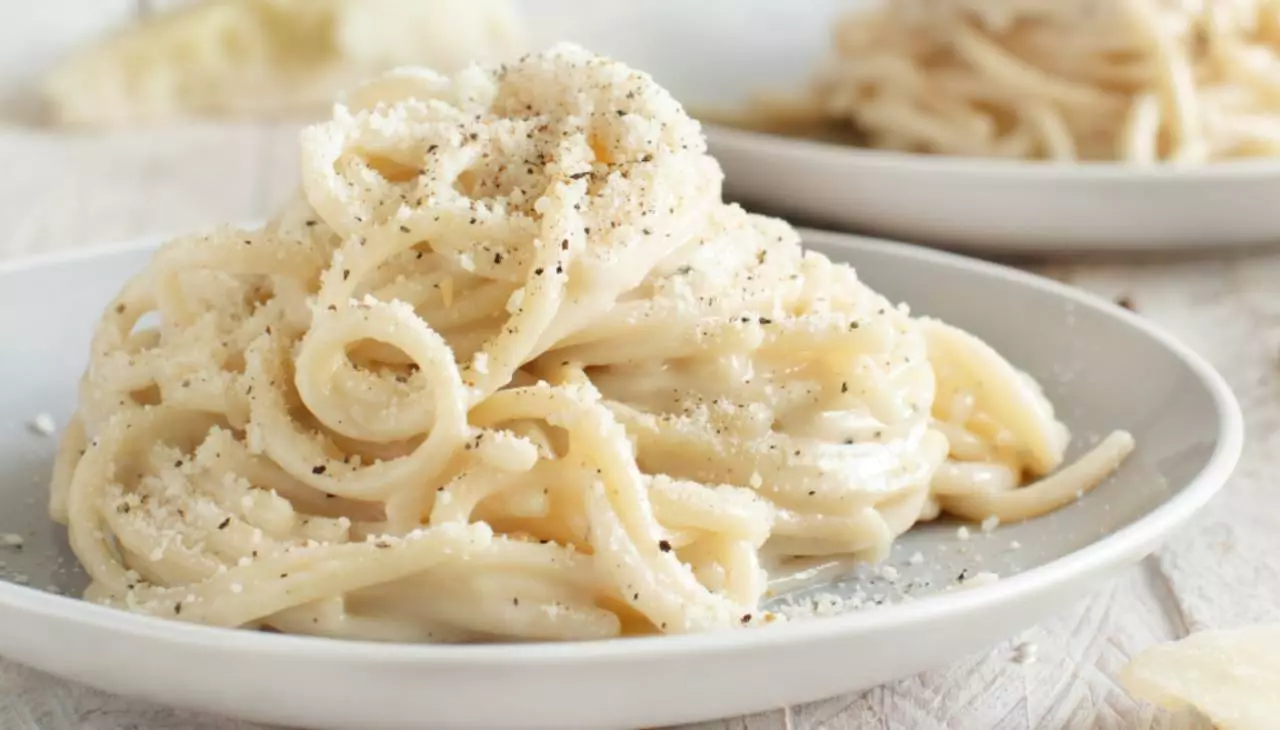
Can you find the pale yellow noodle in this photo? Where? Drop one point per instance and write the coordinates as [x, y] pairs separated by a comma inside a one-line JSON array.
[[1133, 81]]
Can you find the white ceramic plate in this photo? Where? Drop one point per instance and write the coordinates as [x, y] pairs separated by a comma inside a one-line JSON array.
[[715, 54], [1105, 368], [1000, 205]]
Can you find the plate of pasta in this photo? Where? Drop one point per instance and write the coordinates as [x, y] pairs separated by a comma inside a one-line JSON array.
[[508, 402], [1004, 125]]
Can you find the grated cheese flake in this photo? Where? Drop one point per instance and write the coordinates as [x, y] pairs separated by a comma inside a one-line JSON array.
[[44, 424]]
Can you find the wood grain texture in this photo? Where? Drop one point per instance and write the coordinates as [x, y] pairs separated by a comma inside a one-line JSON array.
[[85, 190]]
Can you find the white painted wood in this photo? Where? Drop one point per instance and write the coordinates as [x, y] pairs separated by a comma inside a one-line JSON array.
[[60, 192]]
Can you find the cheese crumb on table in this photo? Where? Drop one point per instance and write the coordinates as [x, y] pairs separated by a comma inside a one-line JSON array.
[[44, 424], [1025, 653]]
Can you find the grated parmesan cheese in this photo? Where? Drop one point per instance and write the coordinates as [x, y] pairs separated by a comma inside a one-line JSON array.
[[983, 578], [1025, 653], [44, 424], [515, 300]]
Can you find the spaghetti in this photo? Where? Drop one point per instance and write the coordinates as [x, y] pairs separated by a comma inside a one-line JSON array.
[[510, 369], [1138, 81]]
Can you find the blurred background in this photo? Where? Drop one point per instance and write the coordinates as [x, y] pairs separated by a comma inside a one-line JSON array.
[[671, 38], [126, 117]]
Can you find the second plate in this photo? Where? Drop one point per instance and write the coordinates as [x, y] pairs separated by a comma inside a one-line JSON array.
[[1000, 206]]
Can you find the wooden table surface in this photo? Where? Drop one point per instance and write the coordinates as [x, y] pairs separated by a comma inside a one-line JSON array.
[[61, 192]]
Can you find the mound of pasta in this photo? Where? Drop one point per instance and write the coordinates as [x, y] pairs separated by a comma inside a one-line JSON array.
[[510, 369], [1130, 80]]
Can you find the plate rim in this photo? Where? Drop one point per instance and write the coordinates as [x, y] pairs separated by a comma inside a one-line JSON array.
[[825, 154], [1110, 551]]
